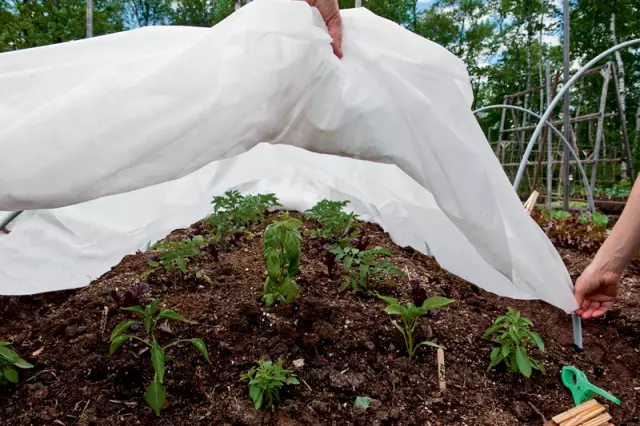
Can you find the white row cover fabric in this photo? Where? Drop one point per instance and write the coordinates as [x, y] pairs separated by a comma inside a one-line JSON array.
[[69, 246], [103, 116]]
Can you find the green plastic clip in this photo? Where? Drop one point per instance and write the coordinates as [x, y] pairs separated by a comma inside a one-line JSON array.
[[580, 387]]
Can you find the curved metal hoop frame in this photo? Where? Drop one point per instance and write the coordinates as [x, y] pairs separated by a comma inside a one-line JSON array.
[[590, 201], [556, 100]]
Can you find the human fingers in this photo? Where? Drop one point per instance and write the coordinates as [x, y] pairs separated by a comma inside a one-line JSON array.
[[603, 309], [593, 307], [334, 26]]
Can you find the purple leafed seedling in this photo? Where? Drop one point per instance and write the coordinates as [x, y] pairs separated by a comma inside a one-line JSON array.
[[131, 297], [361, 243], [418, 294], [330, 261]]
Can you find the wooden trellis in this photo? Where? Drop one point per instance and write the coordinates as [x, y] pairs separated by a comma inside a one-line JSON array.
[[512, 140]]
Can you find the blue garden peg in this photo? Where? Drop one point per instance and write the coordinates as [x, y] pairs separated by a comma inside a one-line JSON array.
[[580, 387]]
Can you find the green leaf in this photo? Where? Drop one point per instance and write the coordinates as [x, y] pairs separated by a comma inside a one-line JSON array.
[[396, 310], [8, 354], [536, 338], [338, 252], [289, 289], [436, 303], [539, 366], [394, 271], [5, 344], [10, 374], [121, 328], [292, 381], [498, 359], [500, 319], [157, 358], [379, 251], [151, 309], [269, 299], [388, 300], [348, 261], [136, 309], [199, 344], [258, 400], [524, 364], [21, 363], [492, 330], [363, 402], [156, 396], [117, 342], [148, 322], [153, 264], [514, 335], [427, 343], [526, 321], [272, 261], [254, 394], [506, 349], [181, 263], [494, 353], [170, 315]]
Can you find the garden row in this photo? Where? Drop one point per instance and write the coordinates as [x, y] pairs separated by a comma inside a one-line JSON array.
[[363, 270]]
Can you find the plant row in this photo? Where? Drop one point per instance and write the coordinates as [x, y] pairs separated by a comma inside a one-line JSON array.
[[364, 270]]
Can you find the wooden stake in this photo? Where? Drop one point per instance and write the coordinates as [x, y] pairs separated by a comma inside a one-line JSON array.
[[587, 415], [531, 202], [561, 418], [590, 414], [599, 421], [442, 378], [406, 270]]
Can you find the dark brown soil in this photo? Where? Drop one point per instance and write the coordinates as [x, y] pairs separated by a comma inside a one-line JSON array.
[[348, 345]]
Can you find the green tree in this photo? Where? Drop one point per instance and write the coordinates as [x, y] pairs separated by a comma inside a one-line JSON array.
[[32, 23], [143, 13], [591, 33], [201, 13]]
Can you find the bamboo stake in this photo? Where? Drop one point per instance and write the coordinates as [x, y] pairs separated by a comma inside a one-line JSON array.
[[599, 421], [531, 202], [585, 416], [442, 378], [561, 418]]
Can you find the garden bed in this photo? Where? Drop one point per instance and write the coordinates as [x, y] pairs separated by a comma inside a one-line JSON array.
[[348, 346]]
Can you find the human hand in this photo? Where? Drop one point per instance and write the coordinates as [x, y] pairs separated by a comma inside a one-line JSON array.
[[595, 291], [330, 12]]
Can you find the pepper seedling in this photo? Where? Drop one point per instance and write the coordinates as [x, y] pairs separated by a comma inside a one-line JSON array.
[[155, 394], [8, 360], [410, 314]]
